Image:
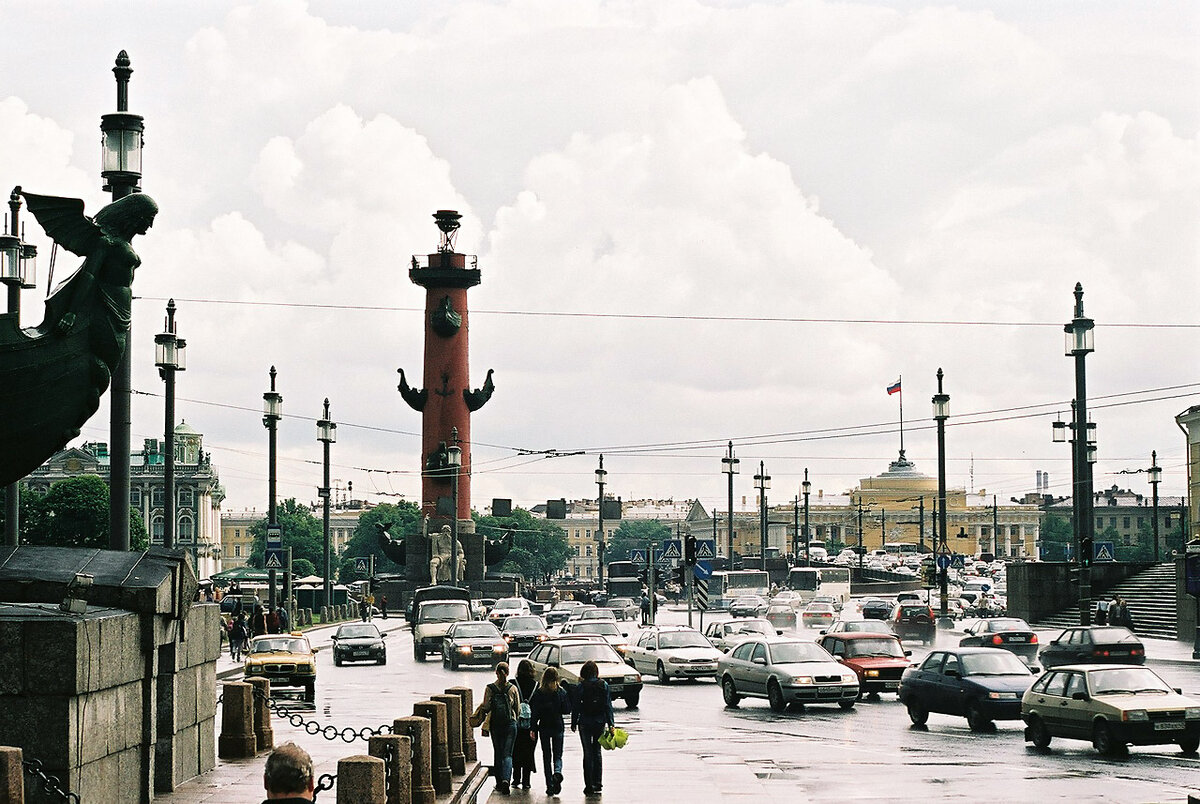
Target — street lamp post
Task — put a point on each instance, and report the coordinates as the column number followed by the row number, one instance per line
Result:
column 169, row 357
column 941, row 412
column 18, row 261
column 272, row 413
column 454, row 462
column 860, row 539
column 762, row 482
column 1080, row 341
column 326, row 434
column 807, row 487
column 730, row 468
column 1155, row 472
column 600, row 475
column 796, row 531
column 121, row 169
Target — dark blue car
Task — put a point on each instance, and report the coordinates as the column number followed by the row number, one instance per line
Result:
column 980, row 684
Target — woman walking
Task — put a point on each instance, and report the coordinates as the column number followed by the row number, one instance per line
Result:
column 500, row 701
column 592, row 713
column 523, row 755
column 549, row 703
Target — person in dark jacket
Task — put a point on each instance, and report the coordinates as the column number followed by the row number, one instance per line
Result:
column 258, row 622
column 592, row 715
column 549, row 703
column 523, row 753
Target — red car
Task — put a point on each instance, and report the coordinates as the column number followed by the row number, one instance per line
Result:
column 878, row 659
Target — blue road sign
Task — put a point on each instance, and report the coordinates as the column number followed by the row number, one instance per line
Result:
column 672, row 549
column 361, row 564
column 702, row 570
column 706, row 549
column 1103, row 551
column 273, row 559
column 957, row 562
column 943, row 561
column 638, row 556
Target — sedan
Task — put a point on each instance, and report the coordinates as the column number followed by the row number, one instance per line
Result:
column 785, row 671
column 1009, row 633
column 359, row 642
column 605, row 629
column 724, row 635
column 1094, row 644
column 624, row 607
column 567, row 654
column 561, row 611
column 524, row 633
column 859, row 626
column 818, row 615
column 788, row 598
column 1111, row 705
column 747, row 606
column 780, row 616
column 875, row 609
column 473, row 642
column 981, row 684
column 879, row 659
column 674, row 653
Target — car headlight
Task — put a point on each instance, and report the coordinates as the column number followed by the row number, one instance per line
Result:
column 1135, row 714
column 632, row 679
column 801, row 680
column 500, row 647
column 848, row 679
column 872, row 674
column 676, row 660
column 465, row 650
column 304, row 668
column 542, row 637
column 508, row 637
column 1192, row 712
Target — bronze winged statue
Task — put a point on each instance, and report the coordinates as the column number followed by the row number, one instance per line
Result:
column 53, row 375
column 395, row 549
column 496, row 550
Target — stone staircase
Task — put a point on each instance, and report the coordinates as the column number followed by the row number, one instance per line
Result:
column 1151, row 598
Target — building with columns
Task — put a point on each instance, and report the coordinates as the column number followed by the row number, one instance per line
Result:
column 236, row 541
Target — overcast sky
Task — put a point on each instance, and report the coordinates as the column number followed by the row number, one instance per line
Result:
column 695, row 221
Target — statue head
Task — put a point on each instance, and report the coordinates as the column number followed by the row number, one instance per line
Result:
column 445, row 530
column 128, row 216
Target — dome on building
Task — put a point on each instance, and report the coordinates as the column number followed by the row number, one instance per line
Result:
column 183, row 428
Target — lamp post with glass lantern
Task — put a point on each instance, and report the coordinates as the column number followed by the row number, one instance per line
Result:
column 169, row 357
column 1080, row 341
column 1155, row 472
column 807, row 487
column 941, row 412
column 454, row 464
column 600, row 546
column 762, row 482
column 730, row 468
column 121, row 168
column 272, row 413
column 326, row 434
column 18, row 269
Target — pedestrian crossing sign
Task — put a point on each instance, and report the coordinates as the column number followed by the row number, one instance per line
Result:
column 1104, row 551
column 360, row 564
column 273, row 561
column 672, row 550
column 706, row 549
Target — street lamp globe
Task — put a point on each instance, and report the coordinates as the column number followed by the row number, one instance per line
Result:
column 454, row 456
column 1059, row 431
column 10, row 259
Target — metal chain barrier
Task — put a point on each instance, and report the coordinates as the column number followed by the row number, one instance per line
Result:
column 329, row 732
column 50, row 785
column 324, row 782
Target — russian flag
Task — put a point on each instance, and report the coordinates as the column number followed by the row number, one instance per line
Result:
column 894, row 388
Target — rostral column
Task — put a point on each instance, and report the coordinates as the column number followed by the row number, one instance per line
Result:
column 447, row 400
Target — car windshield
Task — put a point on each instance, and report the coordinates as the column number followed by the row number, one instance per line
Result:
column 682, row 639
column 789, row 652
column 523, row 624
column 510, row 603
column 756, row 627
column 819, row 608
column 281, row 644
column 1007, row 624
column 1126, row 680
column 992, row 664
column 620, row 603
column 353, row 631
column 443, row 612
column 598, row 614
column 1104, row 636
column 875, row 647
column 593, row 651
column 477, row 630
column 869, row 626
column 604, row 629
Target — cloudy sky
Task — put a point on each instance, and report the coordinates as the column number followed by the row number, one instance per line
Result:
column 696, row 222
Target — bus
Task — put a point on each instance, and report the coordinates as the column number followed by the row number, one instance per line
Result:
column 725, row 585
column 902, row 549
column 812, row 581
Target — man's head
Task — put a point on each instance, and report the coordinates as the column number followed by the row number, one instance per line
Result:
column 288, row 772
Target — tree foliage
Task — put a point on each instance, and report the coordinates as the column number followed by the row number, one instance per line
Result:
column 634, row 533
column 405, row 519
column 75, row 513
column 301, row 531
column 540, row 547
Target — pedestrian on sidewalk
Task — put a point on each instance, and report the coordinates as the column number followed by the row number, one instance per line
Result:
column 285, row 620
column 500, row 701
column 549, row 703
column 592, row 715
column 288, row 775
column 237, row 637
column 645, row 609
column 383, row 606
column 1102, row 611
column 523, row 749
column 258, row 622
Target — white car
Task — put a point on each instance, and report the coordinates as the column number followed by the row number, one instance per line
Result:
column 509, row 607
column 788, row 598
column 603, row 628
column 674, row 653
column 724, row 634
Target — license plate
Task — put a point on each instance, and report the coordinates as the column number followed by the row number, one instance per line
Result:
column 1169, row 726
column 1016, row 639
column 1118, row 653
column 891, row 685
column 360, row 653
column 616, row 688
column 829, row 689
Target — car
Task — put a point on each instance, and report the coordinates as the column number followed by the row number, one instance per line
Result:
column 859, row 626
column 567, row 654
column 356, row 642
column 784, row 671
column 601, row 628
column 593, row 613
column 780, row 615
column 1010, row 633
column 830, row 599
column 914, row 621
column 674, row 652
column 434, row 610
column 1113, row 705
column 876, row 609
column 817, row 615
column 904, row 597
column 473, row 642
column 981, row 684
column 724, row 634
column 561, row 611
column 508, row 607
column 1094, row 644
column 878, row 659
column 524, row 632
column 286, row 660
column 747, row 606
column 788, row 598
column 624, row 607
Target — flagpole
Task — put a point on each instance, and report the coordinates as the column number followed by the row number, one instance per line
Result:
column 900, row 381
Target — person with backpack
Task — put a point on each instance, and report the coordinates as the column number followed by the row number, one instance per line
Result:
column 501, row 700
column 592, row 715
column 523, row 753
column 550, row 702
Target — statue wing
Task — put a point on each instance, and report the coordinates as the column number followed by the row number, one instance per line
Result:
column 64, row 222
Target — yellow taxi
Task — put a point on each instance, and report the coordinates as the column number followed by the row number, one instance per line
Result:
column 286, row 660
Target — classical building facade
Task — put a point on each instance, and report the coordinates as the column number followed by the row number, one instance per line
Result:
column 1127, row 519
column 198, row 492
column 236, row 540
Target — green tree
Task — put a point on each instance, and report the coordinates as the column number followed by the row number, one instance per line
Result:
column 301, row 531
column 28, row 502
column 540, row 547
column 302, row 567
column 634, row 533
column 74, row 513
column 405, row 521
column 1057, row 536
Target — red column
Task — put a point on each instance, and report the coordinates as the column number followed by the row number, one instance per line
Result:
column 447, row 375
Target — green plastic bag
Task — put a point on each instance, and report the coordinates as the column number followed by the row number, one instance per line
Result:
column 616, row 738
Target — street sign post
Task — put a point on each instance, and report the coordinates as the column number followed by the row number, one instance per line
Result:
column 273, row 558
column 944, row 561
column 637, row 556
column 706, row 549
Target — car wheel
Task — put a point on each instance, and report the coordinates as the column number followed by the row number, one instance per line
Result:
column 337, row 661
column 775, row 696
column 632, row 698
column 918, row 712
column 310, row 693
column 663, row 678
column 976, row 720
column 847, row 704
column 383, row 659
column 1039, row 735
column 1188, row 745
column 729, row 692
column 1106, row 742
column 453, row 662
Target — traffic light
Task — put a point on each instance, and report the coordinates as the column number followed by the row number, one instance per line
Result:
column 1086, row 552
column 677, row 573
column 373, row 583
column 644, row 574
column 689, row 550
